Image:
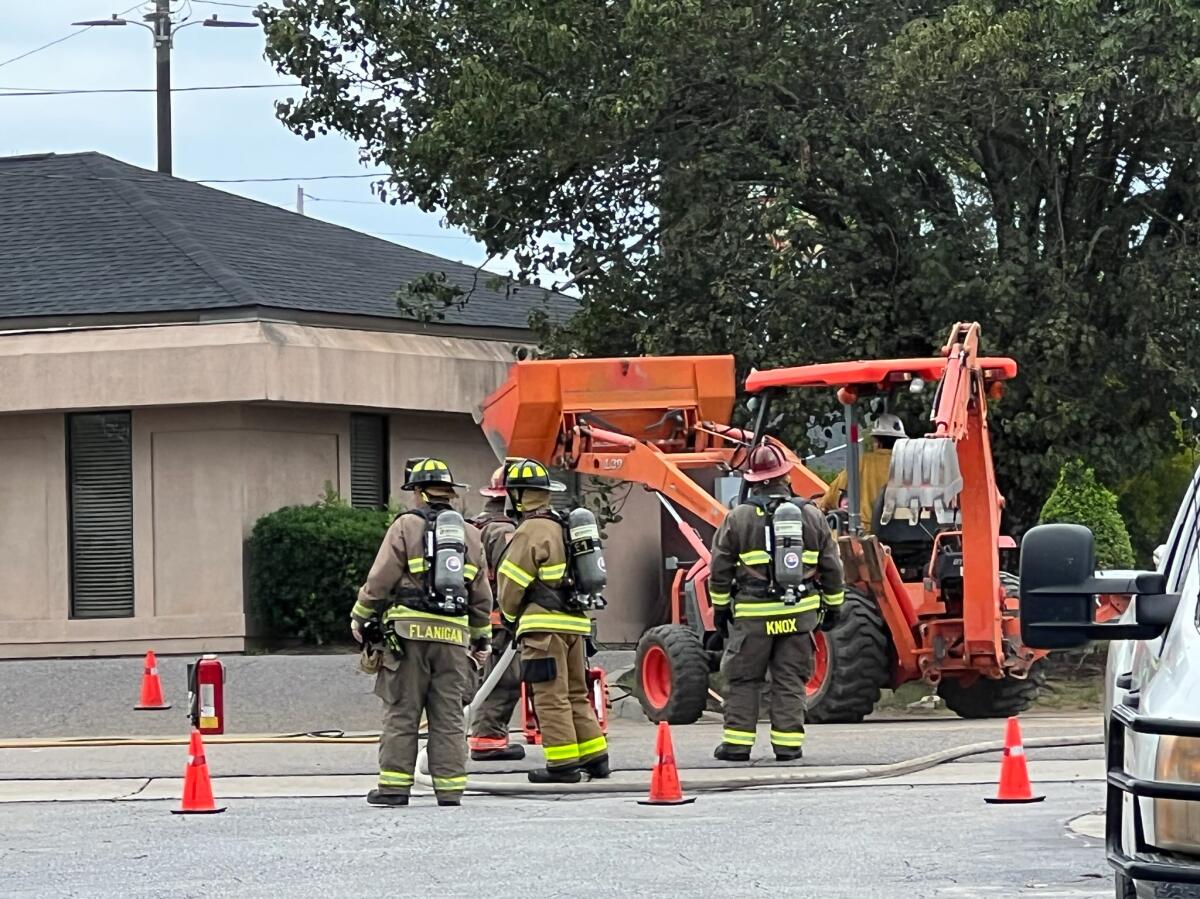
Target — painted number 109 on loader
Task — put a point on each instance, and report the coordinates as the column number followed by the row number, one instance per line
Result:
column 926, row 598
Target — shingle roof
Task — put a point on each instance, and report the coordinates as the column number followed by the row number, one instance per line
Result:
column 84, row 234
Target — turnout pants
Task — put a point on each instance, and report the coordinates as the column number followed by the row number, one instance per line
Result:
column 489, row 730
column 749, row 655
column 428, row 678
column 570, row 733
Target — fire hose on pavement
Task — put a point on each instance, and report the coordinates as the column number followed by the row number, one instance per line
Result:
column 773, row 778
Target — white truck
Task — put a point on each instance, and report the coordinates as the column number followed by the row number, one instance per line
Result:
column 1152, row 690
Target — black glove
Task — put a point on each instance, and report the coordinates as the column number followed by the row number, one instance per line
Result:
column 714, row 642
column 479, row 644
column 830, row 618
column 372, row 632
column 722, row 615
column 589, row 646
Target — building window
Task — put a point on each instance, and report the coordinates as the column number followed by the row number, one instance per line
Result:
column 368, row 461
column 100, row 493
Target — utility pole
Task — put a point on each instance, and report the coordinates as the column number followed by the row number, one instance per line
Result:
column 300, row 199
column 162, row 63
column 160, row 24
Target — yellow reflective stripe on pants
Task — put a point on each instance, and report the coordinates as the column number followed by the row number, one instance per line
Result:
column 834, row 599
column 552, row 572
column 416, row 566
column 362, row 611
column 755, row 557
column 515, row 573
column 776, row 609
column 561, row 753
column 811, row 556
column 554, row 622
column 718, row 599
column 789, row 738
column 591, row 747
column 450, row 784
column 395, row 779
column 738, row 737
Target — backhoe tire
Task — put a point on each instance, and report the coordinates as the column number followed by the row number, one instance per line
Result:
column 671, row 674
column 858, row 664
column 987, row 698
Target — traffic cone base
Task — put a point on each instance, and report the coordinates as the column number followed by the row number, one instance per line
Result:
column 197, row 787
column 152, row 695
column 1014, row 786
column 664, row 782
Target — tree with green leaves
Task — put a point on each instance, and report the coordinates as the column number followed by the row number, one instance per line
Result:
column 798, row 181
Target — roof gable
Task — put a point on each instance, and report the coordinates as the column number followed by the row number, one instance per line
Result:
column 84, row 234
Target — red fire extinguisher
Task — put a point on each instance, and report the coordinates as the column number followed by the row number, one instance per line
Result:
column 206, row 695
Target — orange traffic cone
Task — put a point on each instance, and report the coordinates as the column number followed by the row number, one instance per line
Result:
column 664, row 782
column 197, row 788
column 152, row 694
column 1014, row 776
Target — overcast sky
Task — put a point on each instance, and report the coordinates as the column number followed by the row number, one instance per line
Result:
column 217, row 134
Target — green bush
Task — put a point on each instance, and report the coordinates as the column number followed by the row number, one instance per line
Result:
column 307, row 563
column 1079, row 498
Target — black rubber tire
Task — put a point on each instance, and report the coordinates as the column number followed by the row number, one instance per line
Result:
column 988, row 698
column 859, row 664
column 688, row 661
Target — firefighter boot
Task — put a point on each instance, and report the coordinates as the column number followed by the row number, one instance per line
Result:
column 727, row 752
column 789, row 755
column 567, row 775
column 392, row 800
column 513, row 752
column 597, row 769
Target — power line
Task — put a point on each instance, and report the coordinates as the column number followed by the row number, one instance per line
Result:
column 66, row 92
column 309, row 196
column 60, row 177
column 44, row 46
column 234, row 5
column 65, row 37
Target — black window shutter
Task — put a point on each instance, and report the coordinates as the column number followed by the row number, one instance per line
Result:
column 368, row 461
column 100, row 472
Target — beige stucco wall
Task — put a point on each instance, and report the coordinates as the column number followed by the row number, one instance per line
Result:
column 231, row 421
column 202, row 475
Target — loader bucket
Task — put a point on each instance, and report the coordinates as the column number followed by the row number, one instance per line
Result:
column 923, row 474
column 634, row 396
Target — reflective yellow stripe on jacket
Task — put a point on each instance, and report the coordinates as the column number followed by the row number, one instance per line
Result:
column 744, row 609
column 554, row 622
column 515, row 573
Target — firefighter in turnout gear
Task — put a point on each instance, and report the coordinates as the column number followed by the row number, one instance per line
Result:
column 775, row 576
column 429, row 591
column 489, row 731
column 544, row 610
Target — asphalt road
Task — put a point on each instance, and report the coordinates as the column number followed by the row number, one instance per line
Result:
column 934, row 841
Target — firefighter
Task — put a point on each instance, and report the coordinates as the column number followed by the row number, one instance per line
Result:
column 872, row 471
column 489, row 730
column 536, row 604
column 428, row 590
column 767, row 599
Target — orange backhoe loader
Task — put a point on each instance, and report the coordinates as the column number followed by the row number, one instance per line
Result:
column 926, row 596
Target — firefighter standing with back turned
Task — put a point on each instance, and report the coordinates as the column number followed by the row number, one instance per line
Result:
column 775, row 576
column 428, row 589
column 489, row 731
column 538, row 602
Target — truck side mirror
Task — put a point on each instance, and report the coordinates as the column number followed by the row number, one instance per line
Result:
column 1059, row 589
